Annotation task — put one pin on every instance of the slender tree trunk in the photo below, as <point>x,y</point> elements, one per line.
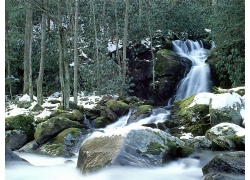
<point>66,73</point>
<point>76,63</point>
<point>42,60</point>
<point>27,52</point>
<point>124,60</point>
<point>7,58</point>
<point>151,45</point>
<point>94,21</point>
<point>117,42</point>
<point>60,47</point>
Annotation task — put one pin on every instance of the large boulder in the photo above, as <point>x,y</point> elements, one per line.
<point>227,107</point>
<point>11,157</point>
<point>169,69</point>
<point>139,113</point>
<point>24,123</point>
<point>231,163</point>
<point>193,111</point>
<point>15,139</point>
<point>142,147</point>
<point>65,143</point>
<point>118,107</point>
<point>226,136</point>
<point>52,127</point>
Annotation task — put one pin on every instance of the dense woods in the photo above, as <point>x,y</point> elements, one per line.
<point>63,45</point>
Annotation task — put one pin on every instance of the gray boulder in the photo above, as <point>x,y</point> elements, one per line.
<point>15,139</point>
<point>232,162</point>
<point>142,147</point>
<point>226,136</point>
<point>53,126</point>
<point>227,107</point>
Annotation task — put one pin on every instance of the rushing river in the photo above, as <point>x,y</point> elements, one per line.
<point>57,168</point>
<point>44,167</point>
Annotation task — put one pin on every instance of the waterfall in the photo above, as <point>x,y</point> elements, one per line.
<point>198,79</point>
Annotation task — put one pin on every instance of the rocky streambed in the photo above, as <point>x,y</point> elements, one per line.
<point>150,142</point>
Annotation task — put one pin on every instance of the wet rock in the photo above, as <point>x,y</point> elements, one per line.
<point>232,162</point>
<point>139,113</point>
<point>65,144</point>
<point>15,139</point>
<point>24,123</point>
<point>227,107</point>
<point>118,107</point>
<point>53,126</point>
<point>142,147</point>
<point>12,157</point>
<point>227,136</point>
<point>193,111</point>
<point>198,142</point>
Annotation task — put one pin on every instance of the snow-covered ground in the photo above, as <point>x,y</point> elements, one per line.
<point>11,109</point>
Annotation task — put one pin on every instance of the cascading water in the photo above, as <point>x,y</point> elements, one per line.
<point>198,79</point>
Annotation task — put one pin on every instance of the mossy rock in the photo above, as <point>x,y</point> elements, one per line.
<point>181,106</point>
<point>25,123</point>
<point>64,144</point>
<point>143,109</point>
<point>162,65</point>
<point>118,107</point>
<point>56,150</point>
<point>54,101</point>
<point>184,151</point>
<point>24,104</point>
<point>101,122</point>
<point>51,127</point>
<point>75,132</point>
<point>37,107</point>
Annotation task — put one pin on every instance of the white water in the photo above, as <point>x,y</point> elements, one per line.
<point>53,168</point>
<point>198,79</point>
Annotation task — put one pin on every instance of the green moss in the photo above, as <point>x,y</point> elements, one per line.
<point>185,151</point>
<point>172,147</point>
<point>118,107</point>
<point>54,101</point>
<point>54,149</point>
<point>154,148</point>
<point>165,59</point>
<point>183,104</point>
<point>100,122</point>
<point>60,137</point>
<point>21,122</point>
<point>143,109</point>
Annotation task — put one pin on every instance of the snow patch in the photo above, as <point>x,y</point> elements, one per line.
<point>187,136</point>
<point>202,98</point>
<point>223,127</point>
<point>225,100</point>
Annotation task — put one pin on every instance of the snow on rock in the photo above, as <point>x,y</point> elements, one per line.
<point>227,107</point>
<point>202,98</point>
<point>225,100</point>
<point>223,129</point>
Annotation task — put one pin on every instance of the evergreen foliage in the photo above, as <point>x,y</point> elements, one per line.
<point>102,22</point>
<point>228,32</point>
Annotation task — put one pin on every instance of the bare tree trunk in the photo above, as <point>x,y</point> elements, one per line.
<point>60,47</point>
<point>76,63</point>
<point>151,45</point>
<point>27,51</point>
<point>42,60</point>
<point>96,43</point>
<point>117,42</point>
<point>124,63</point>
<point>7,58</point>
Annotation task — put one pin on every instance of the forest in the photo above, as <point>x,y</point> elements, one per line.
<point>85,45</point>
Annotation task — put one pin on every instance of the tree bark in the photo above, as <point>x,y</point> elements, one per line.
<point>76,63</point>
<point>124,60</point>
<point>42,60</point>
<point>27,81</point>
